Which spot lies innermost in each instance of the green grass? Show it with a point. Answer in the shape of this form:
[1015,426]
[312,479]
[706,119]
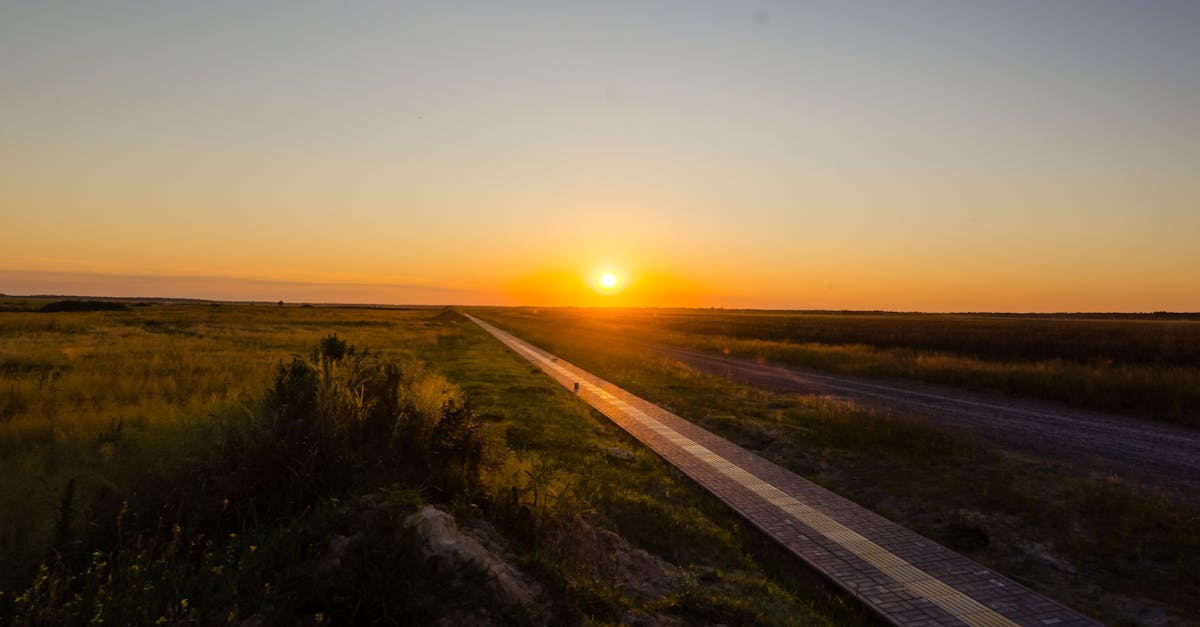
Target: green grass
[1142,367]
[139,467]
[561,443]
[1067,536]
[177,464]
[149,521]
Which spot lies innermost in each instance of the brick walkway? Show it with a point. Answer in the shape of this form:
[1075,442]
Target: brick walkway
[906,578]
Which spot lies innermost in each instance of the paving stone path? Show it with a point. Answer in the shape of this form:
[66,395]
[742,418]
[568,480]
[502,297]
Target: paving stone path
[904,577]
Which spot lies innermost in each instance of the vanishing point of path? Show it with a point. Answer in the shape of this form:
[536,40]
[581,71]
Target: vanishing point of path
[1136,449]
[906,578]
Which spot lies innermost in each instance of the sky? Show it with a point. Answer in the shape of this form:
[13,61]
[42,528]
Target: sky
[925,155]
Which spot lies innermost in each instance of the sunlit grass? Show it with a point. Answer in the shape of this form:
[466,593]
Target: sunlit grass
[67,373]
[1168,393]
[150,464]
[97,396]
[1064,534]
[1145,368]
[560,467]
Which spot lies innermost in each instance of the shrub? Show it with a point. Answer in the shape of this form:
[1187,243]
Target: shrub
[344,413]
[336,423]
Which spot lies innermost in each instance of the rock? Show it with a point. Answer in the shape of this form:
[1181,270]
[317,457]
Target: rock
[454,553]
[339,548]
[618,454]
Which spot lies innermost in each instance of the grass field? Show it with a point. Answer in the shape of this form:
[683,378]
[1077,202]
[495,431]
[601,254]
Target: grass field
[197,464]
[1146,366]
[1122,553]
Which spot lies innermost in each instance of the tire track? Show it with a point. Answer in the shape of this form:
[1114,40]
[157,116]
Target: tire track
[1134,449]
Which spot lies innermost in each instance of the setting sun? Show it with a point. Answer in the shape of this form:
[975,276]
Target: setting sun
[608,281]
[468,170]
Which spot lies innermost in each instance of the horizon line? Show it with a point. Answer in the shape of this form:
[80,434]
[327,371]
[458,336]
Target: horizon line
[428,305]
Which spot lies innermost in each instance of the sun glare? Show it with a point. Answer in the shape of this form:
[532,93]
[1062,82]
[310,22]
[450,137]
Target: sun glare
[608,281]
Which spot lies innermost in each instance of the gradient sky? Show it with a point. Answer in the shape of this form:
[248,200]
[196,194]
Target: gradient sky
[1015,156]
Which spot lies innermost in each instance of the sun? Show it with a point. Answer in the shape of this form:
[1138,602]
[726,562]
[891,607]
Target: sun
[608,281]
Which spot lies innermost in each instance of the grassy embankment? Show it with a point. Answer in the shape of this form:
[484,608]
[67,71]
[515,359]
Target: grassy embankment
[1118,552]
[181,464]
[1147,366]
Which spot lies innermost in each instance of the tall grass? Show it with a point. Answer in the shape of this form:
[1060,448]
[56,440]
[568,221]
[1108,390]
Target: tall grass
[211,492]
[68,373]
[132,547]
[1167,393]
[1079,361]
[560,466]
[1067,535]
[1162,340]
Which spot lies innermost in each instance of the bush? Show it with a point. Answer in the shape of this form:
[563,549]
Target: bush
[353,408]
[174,545]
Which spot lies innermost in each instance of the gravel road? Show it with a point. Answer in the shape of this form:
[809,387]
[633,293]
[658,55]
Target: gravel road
[1135,450]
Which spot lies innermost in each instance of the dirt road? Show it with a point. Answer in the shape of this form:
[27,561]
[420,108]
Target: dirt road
[1132,449]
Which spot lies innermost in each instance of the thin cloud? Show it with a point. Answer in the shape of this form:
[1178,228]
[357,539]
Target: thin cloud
[215,287]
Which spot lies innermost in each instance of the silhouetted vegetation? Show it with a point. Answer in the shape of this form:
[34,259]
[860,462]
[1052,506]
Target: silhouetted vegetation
[345,413]
[449,315]
[71,306]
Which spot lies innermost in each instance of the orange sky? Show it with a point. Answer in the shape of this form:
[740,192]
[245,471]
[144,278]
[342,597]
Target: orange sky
[842,157]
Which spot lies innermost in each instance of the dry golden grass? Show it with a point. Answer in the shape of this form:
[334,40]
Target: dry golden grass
[168,464]
[1142,367]
[67,373]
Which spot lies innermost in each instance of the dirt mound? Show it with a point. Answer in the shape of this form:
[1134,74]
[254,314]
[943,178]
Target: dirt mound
[457,553]
[437,570]
[598,553]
